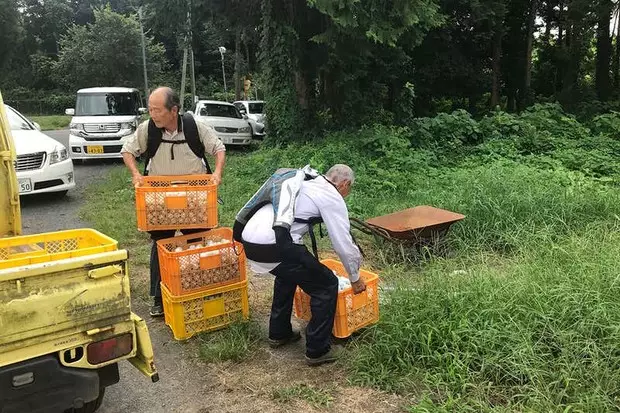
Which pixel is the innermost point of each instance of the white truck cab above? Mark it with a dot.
(103, 119)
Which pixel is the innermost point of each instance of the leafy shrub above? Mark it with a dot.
(502, 125)
(451, 130)
(607, 124)
(551, 117)
(585, 111)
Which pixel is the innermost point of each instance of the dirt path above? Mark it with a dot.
(189, 385)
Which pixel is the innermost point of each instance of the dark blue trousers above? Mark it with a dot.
(321, 285)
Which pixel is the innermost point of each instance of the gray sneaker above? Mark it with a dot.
(295, 336)
(157, 310)
(334, 353)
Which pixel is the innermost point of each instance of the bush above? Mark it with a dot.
(550, 117)
(607, 124)
(39, 102)
(449, 130)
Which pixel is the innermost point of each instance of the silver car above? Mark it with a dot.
(254, 110)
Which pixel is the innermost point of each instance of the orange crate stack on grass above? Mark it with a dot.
(176, 202)
(188, 264)
(353, 311)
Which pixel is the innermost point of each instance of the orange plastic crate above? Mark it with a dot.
(204, 267)
(205, 311)
(176, 202)
(353, 311)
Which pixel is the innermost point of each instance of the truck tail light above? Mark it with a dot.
(109, 349)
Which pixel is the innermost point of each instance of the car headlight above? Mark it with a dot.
(128, 125)
(60, 154)
(244, 130)
(76, 126)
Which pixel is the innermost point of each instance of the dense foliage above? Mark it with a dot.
(325, 65)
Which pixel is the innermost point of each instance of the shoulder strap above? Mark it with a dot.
(190, 130)
(153, 141)
(311, 223)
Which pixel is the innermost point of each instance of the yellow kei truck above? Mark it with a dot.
(65, 311)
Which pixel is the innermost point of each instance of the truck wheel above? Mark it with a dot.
(90, 407)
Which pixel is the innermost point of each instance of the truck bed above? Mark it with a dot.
(53, 306)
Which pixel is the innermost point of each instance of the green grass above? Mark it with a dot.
(51, 122)
(316, 397)
(521, 314)
(110, 208)
(235, 343)
(535, 332)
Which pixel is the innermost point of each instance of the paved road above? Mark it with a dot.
(44, 213)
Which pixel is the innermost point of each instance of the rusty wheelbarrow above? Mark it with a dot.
(421, 226)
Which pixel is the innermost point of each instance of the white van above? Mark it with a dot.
(103, 119)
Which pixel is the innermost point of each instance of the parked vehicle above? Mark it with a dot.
(65, 310)
(103, 119)
(255, 112)
(43, 164)
(227, 121)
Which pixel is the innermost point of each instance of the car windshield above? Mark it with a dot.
(106, 104)
(16, 121)
(256, 107)
(220, 110)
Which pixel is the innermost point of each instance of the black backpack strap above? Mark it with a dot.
(188, 126)
(357, 244)
(311, 223)
(153, 141)
(192, 137)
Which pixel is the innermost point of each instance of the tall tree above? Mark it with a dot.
(106, 52)
(616, 59)
(10, 31)
(45, 22)
(526, 95)
(603, 50)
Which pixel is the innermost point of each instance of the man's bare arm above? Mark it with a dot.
(220, 160)
(130, 162)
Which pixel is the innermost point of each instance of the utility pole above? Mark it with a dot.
(222, 50)
(191, 54)
(183, 76)
(146, 81)
(184, 67)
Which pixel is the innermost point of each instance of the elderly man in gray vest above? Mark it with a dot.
(175, 154)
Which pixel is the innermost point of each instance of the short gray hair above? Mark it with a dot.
(340, 173)
(172, 97)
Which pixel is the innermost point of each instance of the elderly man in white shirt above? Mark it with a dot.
(322, 197)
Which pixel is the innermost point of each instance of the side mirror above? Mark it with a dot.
(142, 111)
(191, 112)
(70, 112)
(37, 126)
(243, 111)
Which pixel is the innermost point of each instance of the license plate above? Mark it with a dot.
(25, 185)
(94, 150)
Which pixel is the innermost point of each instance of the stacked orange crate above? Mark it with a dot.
(204, 285)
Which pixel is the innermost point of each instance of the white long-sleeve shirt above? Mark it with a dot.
(317, 197)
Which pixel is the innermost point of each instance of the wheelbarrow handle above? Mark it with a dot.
(369, 229)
